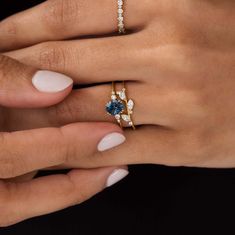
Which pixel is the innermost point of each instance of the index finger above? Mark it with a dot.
(27, 151)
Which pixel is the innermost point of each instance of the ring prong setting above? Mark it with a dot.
(120, 106)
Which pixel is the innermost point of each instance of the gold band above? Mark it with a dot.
(120, 106)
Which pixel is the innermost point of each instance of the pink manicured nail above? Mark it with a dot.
(110, 141)
(48, 81)
(116, 176)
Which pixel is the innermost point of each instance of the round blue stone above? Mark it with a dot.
(114, 107)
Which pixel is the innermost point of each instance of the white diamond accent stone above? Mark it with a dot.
(126, 118)
(113, 97)
(120, 11)
(117, 116)
(130, 104)
(120, 18)
(122, 95)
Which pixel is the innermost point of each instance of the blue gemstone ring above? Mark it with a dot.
(121, 107)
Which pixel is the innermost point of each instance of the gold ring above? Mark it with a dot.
(120, 106)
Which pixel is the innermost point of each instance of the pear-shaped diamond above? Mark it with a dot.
(122, 95)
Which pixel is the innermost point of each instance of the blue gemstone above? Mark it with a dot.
(114, 107)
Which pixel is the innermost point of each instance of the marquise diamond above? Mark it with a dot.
(126, 118)
(130, 104)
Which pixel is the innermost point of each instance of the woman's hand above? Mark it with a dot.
(24, 152)
(178, 62)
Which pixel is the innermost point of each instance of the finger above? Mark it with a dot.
(22, 178)
(146, 145)
(23, 86)
(151, 106)
(89, 104)
(52, 193)
(40, 148)
(63, 19)
(88, 60)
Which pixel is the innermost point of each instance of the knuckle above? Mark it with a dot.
(9, 70)
(5, 62)
(7, 167)
(8, 159)
(66, 150)
(52, 56)
(66, 111)
(59, 14)
(72, 151)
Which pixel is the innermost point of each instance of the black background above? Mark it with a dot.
(152, 200)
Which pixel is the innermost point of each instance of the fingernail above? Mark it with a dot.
(47, 81)
(116, 176)
(110, 141)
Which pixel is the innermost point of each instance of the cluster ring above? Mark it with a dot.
(120, 106)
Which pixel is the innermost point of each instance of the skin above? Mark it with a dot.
(178, 61)
(24, 152)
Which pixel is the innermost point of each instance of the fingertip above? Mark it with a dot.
(99, 178)
(51, 87)
(117, 175)
(111, 140)
(24, 87)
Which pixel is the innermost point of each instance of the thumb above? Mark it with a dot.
(24, 87)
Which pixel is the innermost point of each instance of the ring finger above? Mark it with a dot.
(88, 104)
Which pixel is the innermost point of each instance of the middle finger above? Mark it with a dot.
(63, 19)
